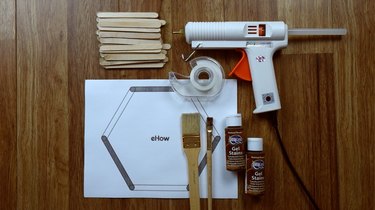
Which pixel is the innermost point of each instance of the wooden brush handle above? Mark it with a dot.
(209, 179)
(192, 158)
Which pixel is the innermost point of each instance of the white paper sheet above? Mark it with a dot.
(133, 144)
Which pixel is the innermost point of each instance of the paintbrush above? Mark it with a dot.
(209, 161)
(191, 144)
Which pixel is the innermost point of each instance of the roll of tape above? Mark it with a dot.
(206, 83)
(209, 69)
(196, 85)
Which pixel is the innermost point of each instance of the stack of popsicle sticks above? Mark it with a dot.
(131, 40)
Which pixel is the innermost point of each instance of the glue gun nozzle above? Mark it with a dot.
(181, 31)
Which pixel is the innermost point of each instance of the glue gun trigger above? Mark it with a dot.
(242, 68)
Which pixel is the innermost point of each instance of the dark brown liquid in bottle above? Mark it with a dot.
(234, 148)
(255, 184)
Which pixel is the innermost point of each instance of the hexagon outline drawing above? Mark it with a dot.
(118, 115)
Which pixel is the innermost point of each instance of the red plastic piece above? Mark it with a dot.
(242, 68)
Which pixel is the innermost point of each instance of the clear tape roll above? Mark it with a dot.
(194, 85)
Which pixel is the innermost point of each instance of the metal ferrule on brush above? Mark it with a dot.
(209, 133)
(191, 141)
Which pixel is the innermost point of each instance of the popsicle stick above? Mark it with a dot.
(128, 41)
(113, 47)
(137, 66)
(131, 40)
(131, 51)
(104, 62)
(132, 57)
(127, 14)
(127, 29)
(130, 20)
(128, 35)
(136, 23)
(166, 46)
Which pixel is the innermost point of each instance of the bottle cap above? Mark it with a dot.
(235, 120)
(255, 144)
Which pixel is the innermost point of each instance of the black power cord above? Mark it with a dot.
(289, 163)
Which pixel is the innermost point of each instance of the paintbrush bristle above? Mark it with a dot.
(191, 130)
(190, 124)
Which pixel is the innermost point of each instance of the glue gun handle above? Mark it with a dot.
(263, 76)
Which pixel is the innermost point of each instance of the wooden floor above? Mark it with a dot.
(327, 88)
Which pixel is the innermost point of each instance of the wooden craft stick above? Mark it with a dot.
(128, 35)
(127, 29)
(113, 47)
(132, 52)
(137, 66)
(128, 41)
(133, 57)
(166, 46)
(136, 23)
(130, 20)
(104, 62)
(127, 14)
(131, 40)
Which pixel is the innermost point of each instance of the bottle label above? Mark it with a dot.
(255, 174)
(235, 150)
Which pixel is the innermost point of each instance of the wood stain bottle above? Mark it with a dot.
(234, 144)
(254, 183)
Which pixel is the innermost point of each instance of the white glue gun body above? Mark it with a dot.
(260, 40)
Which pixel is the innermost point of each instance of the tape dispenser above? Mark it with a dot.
(206, 79)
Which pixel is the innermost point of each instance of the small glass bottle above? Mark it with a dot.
(255, 183)
(234, 144)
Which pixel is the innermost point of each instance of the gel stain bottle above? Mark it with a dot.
(234, 144)
(254, 183)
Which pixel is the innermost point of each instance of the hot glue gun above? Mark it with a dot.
(259, 40)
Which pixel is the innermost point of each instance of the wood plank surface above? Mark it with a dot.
(326, 85)
(83, 64)
(307, 122)
(8, 105)
(354, 90)
(42, 105)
